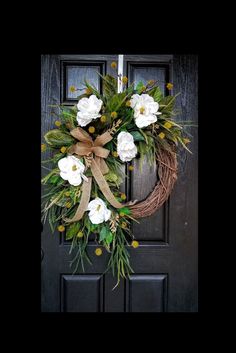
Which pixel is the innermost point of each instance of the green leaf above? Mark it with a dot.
(87, 224)
(139, 87)
(167, 103)
(93, 227)
(156, 93)
(137, 136)
(54, 179)
(72, 230)
(92, 89)
(112, 177)
(45, 179)
(103, 233)
(115, 102)
(109, 85)
(129, 89)
(109, 238)
(106, 235)
(57, 157)
(57, 138)
(125, 210)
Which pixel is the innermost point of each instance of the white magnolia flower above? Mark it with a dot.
(126, 148)
(89, 109)
(145, 109)
(71, 169)
(98, 211)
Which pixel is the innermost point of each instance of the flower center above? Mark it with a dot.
(74, 168)
(142, 110)
(98, 207)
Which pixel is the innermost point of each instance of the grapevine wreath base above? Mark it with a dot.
(167, 173)
(92, 142)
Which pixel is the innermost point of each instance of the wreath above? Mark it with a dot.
(91, 143)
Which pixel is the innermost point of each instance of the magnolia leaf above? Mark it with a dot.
(93, 227)
(103, 233)
(137, 136)
(109, 237)
(57, 138)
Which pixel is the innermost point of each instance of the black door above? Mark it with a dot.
(165, 263)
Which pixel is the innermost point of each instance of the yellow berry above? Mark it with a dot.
(88, 91)
(168, 125)
(114, 115)
(43, 147)
(63, 149)
(115, 154)
(103, 118)
(186, 141)
(131, 167)
(169, 86)
(68, 205)
(143, 88)
(57, 123)
(98, 251)
(135, 244)
(114, 65)
(123, 196)
(72, 89)
(67, 193)
(91, 129)
(61, 228)
(128, 103)
(122, 214)
(124, 79)
(123, 224)
(161, 135)
(80, 234)
(151, 82)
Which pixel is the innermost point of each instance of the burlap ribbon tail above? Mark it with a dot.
(94, 154)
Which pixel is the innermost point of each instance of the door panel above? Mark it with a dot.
(75, 290)
(74, 74)
(165, 263)
(146, 293)
(152, 228)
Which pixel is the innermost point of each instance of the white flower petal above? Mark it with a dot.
(88, 109)
(145, 120)
(64, 175)
(107, 215)
(98, 211)
(63, 164)
(66, 169)
(126, 148)
(74, 179)
(147, 115)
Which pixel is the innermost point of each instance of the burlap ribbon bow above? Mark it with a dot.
(94, 154)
